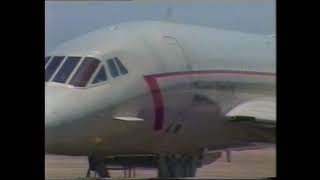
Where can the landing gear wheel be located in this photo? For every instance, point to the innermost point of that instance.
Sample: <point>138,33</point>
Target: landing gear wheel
<point>98,166</point>
<point>178,165</point>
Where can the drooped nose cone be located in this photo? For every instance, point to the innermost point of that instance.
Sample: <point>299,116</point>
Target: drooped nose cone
<point>61,118</point>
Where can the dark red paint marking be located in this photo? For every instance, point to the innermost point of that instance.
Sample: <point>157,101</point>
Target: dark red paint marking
<point>158,104</point>
<point>210,72</point>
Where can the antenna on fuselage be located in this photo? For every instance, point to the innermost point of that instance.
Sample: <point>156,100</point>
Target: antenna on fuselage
<point>168,15</point>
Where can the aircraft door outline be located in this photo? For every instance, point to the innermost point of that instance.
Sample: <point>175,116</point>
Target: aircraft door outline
<point>175,48</point>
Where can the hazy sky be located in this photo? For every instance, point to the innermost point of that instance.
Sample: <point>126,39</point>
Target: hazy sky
<point>67,20</point>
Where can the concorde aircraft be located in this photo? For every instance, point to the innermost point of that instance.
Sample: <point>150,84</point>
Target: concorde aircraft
<point>161,89</point>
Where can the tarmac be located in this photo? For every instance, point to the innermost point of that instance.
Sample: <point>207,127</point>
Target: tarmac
<point>248,164</point>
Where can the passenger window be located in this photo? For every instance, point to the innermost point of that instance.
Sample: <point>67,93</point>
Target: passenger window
<point>123,70</point>
<point>113,69</point>
<point>101,76</point>
<point>84,72</point>
<point>47,60</point>
<point>52,67</point>
<point>66,69</point>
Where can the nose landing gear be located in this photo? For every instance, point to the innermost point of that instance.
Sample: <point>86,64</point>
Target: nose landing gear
<point>98,167</point>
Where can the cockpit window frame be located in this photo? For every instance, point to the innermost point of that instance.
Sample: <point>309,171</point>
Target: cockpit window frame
<point>58,68</point>
<point>74,70</point>
<point>69,58</point>
<point>113,68</point>
<point>90,82</point>
<point>122,69</point>
<point>91,76</point>
<point>46,64</point>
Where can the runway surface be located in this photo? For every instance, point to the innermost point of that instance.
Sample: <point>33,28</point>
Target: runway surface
<point>247,164</point>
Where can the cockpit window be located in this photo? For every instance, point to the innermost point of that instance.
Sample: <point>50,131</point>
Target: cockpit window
<point>101,76</point>
<point>84,72</point>
<point>47,59</point>
<point>66,69</point>
<point>113,69</point>
<point>52,66</point>
<point>80,71</point>
<point>123,70</point>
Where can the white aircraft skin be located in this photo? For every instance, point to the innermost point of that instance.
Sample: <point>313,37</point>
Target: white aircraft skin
<point>184,77</point>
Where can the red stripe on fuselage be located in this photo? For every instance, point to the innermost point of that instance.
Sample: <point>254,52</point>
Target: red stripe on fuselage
<point>158,104</point>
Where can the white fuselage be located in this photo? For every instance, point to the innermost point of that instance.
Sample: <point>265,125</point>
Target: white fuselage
<point>182,81</point>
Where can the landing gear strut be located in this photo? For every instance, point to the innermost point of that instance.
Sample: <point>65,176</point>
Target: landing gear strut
<point>97,165</point>
<point>178,165</point>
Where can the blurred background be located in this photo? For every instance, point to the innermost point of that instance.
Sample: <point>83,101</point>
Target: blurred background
<point>65,20</point>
